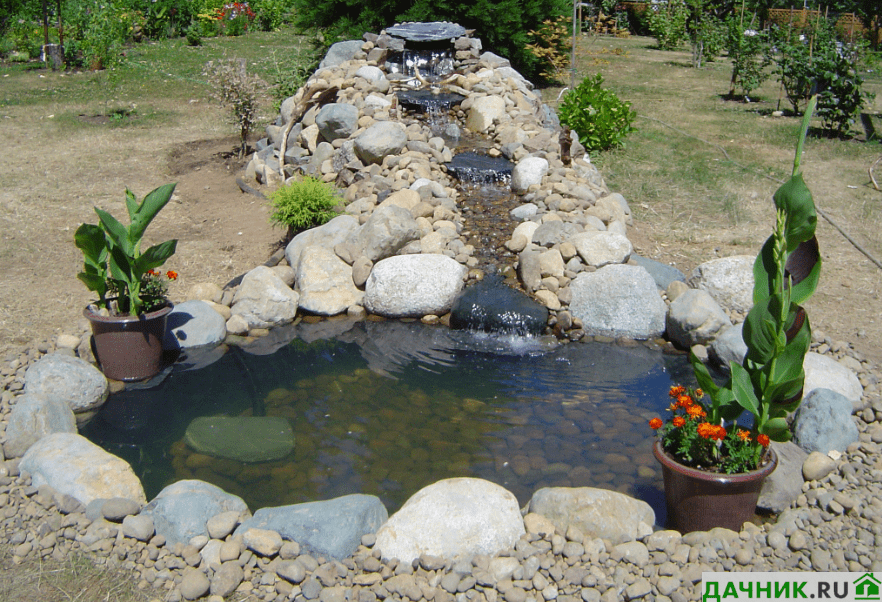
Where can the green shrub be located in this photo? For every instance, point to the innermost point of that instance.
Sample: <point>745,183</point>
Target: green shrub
<point>599,118</point>
<point>819,61</point>
<point>748,50</point>
<point>502,25</point>
<point>304,204</point>
<point>194,38</point>
<point>667,23</point>
<point>708,39</point>
<point>551,45</point>
<point>272,14</point>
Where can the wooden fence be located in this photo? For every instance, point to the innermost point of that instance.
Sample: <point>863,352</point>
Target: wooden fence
<point>848,25</point>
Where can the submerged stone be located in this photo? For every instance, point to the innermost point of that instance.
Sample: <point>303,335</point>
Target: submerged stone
<point>245,439</point>
<point>424,101</point>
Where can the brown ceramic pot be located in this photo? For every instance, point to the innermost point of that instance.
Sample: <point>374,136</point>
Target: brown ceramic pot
<point>129,347</point>
<point>698,500</point>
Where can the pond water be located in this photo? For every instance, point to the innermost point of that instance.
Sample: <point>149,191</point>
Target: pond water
<point>386,408</point>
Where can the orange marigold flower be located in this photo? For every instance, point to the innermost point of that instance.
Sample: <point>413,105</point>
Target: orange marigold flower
<point>699,393</point>
<point>705,429</point>
<point>719,433</point>
<point>696,411</point>
<point>684,401</point>
<point>152,273</point>
<point>763,440</point>
<point>678,421</point>
<point>171,275</point>
<point>655,423</point>
<point>677,391</point>
<point>743,435</point>
<point>673,407</point>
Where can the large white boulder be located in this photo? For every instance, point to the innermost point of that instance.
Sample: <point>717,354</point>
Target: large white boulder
<point>412,286</point>
<point>453,518</point>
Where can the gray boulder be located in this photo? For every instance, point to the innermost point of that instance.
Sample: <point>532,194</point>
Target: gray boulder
<point>181,510</point>
<point>412,286</point>
<point>552,233</point>
<point>527,172</point>
<point>595,512</point>
<point>340,53</point>
<point>32,418</point>
<point>618,301</point>
<point>380,140</point>
<point>241,438</point>
<point>75,466</point>
<point>264,300</point>
<point>194,324</point>
<point>823,372</point>
<point>327,235</point>
<point>602,248</point>
<point>387,230</point>
<point>328,528</point>
<point>784,485</point>
<point>325,284</point>
<point>663,274</point>
<point>371,73</point>
<point>453,518</point>
<point>729,280</point>
<point>74,381</point>
<point>729,346</point>
<point>337,120</point>
<point>823,422</point>
<point>694,318</point>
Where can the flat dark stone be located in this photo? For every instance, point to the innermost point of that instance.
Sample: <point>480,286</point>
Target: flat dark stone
<point>423,101</point>
<point>474,167</point>
<point>493,306</point>
<point>427,32</point>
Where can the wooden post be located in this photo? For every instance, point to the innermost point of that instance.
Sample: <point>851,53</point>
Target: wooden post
<point>573,52</point>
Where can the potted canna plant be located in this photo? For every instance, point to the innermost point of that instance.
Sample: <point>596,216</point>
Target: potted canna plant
<point>713,468</point>
<point>128,318</point>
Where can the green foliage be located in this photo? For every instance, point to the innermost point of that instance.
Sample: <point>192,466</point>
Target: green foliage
<point>303,204</point>
<point>194,37</point>
<point>708,35</point>
<point>667,23</point>
<point>272,14</point>
<point>113,261</point>
<point>237,91</point>
<point>748,50</point>
<point>166,18</point>
<point>812,58</point>
<point>597,115</point>
<point>503,25</point>
<point>289,78</point>
<point>95,33</point>
<point>768,383</point>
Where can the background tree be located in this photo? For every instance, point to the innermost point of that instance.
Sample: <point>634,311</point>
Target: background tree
<point>503,25</point>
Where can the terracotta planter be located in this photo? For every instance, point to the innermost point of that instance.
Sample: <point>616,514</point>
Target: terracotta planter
<point>128,347</point>
<point>699,500</point>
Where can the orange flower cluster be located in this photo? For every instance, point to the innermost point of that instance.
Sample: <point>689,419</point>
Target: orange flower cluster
<point>712,431</point>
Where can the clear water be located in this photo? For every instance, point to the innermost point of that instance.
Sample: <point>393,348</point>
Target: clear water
<point>386,408</point>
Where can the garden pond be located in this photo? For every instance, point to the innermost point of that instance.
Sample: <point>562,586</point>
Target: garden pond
<point>388,407</point>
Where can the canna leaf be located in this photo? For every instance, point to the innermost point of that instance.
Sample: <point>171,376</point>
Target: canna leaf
<point>149,207</point>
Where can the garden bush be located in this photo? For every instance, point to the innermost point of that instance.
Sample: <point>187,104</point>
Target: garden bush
<point>303,204</point>
<point>236,90</point>
<point>812,59</point>
<point>667,23</point>
<point>597,115</point>
<point>503,25</point>
<point>749,51</point>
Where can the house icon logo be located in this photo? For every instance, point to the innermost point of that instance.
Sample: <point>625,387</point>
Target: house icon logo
<point>867,587</point>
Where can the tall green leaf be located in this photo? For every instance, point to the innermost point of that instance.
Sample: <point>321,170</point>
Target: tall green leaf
<point>147,210</point>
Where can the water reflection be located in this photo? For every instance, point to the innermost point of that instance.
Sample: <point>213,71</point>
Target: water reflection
<point>388,407</point>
